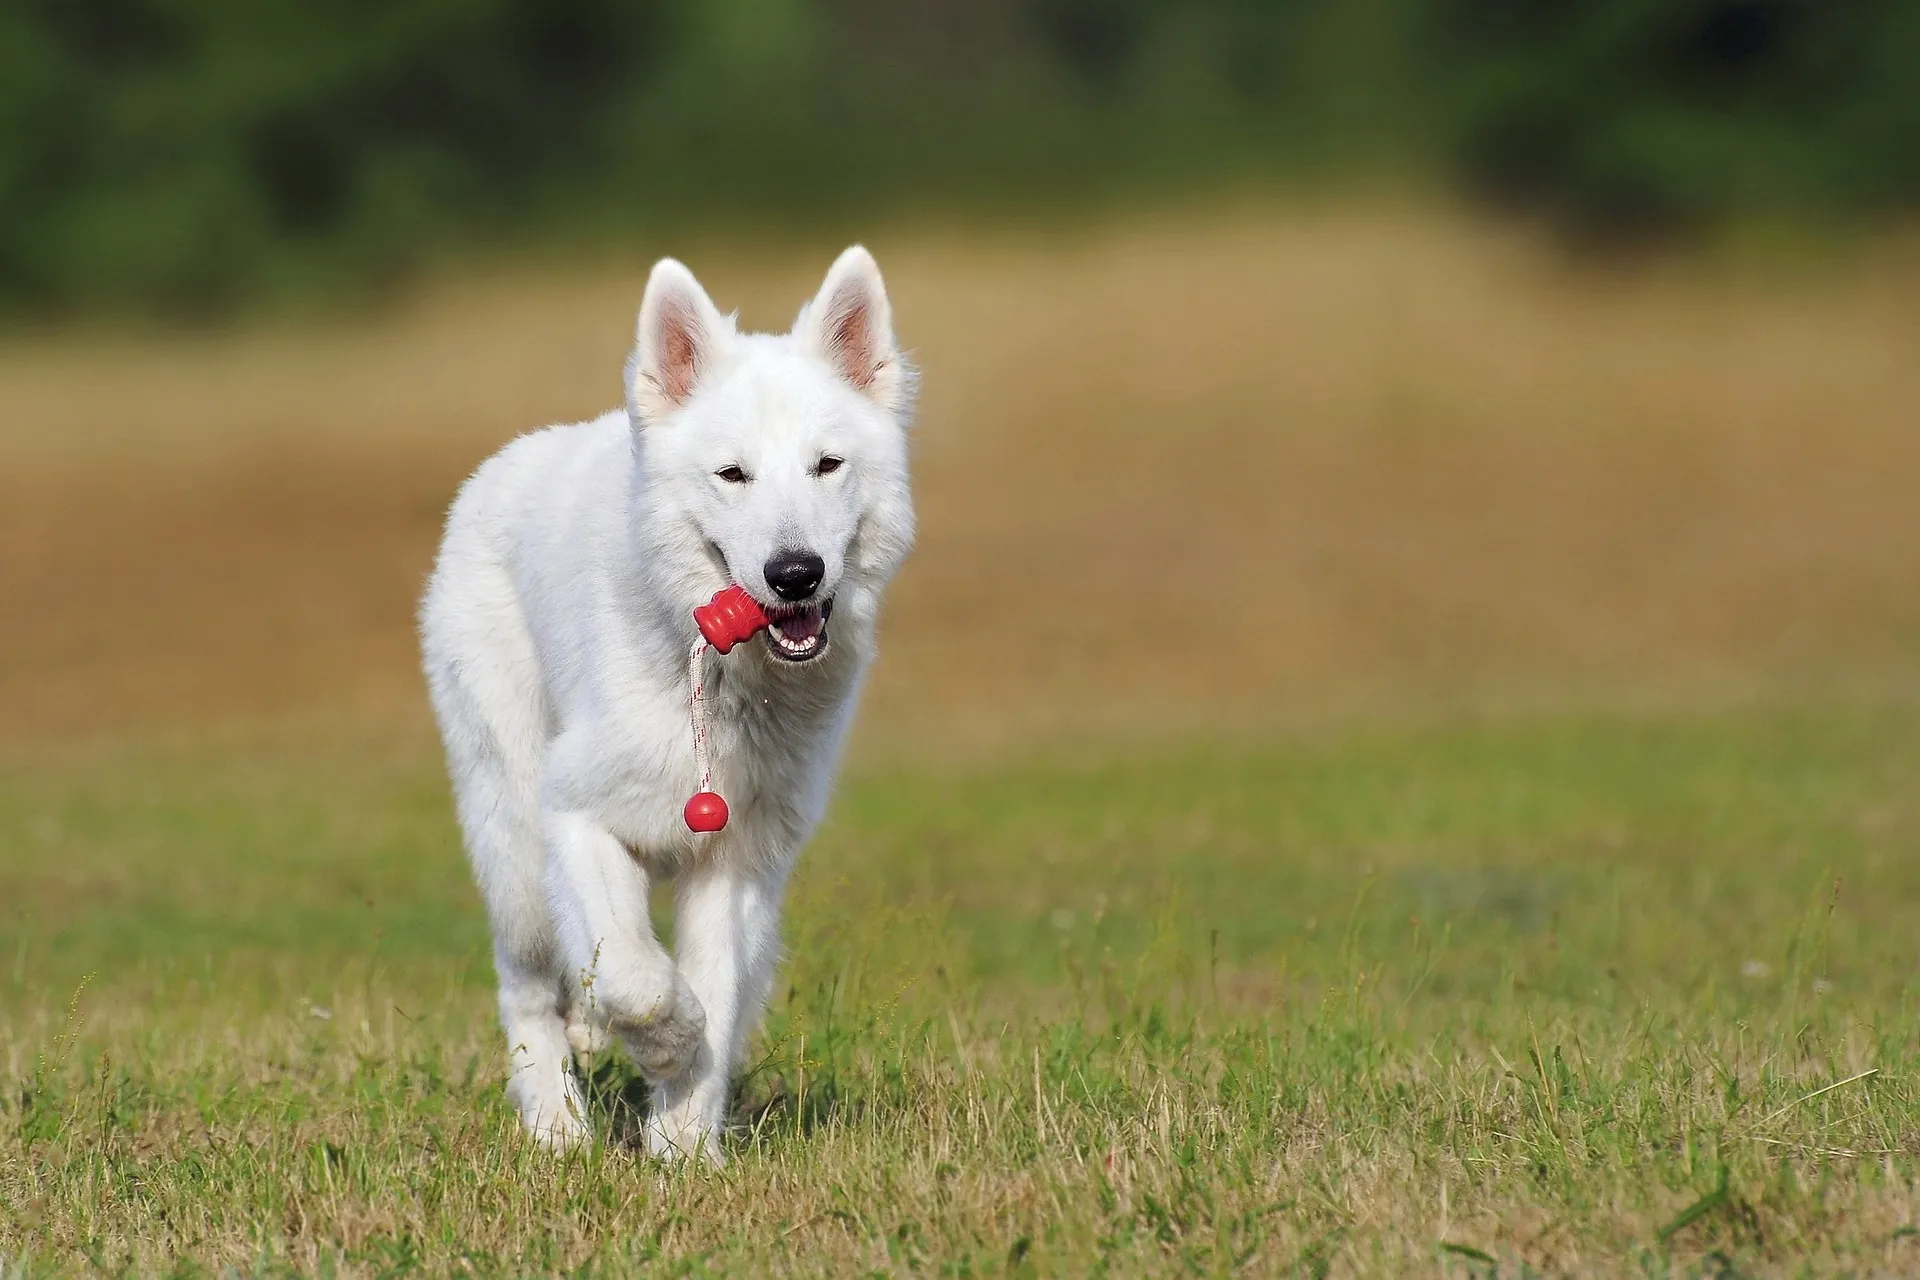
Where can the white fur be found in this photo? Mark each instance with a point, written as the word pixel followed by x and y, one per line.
pixel 555 632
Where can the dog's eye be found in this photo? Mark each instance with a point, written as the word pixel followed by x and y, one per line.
pixel 732 475
pixel 828 465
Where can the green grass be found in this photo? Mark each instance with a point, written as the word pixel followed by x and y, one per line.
pixel 1565 995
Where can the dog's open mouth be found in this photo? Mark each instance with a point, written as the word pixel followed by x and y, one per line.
pixel 798 633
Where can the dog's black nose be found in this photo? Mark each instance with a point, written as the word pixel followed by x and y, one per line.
pixel 795 575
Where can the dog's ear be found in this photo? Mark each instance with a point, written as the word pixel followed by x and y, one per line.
pixel 678 340
pixel 849 324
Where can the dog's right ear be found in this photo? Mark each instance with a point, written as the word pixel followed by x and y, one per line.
pixel 849 324
pixel 679 339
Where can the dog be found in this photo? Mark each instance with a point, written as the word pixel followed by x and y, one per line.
pixel 555 634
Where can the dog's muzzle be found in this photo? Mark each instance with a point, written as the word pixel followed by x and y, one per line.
pixel 798 633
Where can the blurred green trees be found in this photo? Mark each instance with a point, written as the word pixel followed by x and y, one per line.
pixel 1644 115
pixel 187 155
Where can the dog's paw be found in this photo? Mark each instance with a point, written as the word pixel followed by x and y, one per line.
pixel 674 1137
pixel 584 1037
pixel 664 1039
pixel 555 1118
pixel 560 1136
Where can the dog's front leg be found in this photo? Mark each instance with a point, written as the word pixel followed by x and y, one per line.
pixel 727 926
pixel 624 979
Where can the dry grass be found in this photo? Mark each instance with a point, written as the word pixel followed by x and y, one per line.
pixel 1349 456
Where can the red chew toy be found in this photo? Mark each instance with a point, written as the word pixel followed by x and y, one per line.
pixel 706 812
pixel 724 621
pixel 730 617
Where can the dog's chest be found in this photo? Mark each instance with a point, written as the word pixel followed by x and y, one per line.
pixel 772 763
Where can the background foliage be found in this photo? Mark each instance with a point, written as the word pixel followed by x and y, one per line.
pixel 187 155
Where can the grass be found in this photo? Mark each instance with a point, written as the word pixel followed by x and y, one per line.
pixel 1552 995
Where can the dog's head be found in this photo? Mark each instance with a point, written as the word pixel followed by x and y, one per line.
pixel 779 462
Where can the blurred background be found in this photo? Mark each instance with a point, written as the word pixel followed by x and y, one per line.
pixel 1284 360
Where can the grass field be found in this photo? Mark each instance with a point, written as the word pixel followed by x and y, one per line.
pixel 1518 876
pixel 1579 994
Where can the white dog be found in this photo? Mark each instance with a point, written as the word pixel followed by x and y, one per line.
pixel 556 630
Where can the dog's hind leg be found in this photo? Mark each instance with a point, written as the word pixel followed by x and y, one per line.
pixel 508 861
pixel 542 1086
pixel 479 665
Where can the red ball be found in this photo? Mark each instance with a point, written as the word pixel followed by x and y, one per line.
pixel 706 812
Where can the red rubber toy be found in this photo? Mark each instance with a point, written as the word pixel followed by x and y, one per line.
pixel 730 617
pixel 706 812
pixel 724 621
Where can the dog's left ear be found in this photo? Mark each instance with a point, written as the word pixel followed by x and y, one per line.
pixel 849 324
pixel 679 339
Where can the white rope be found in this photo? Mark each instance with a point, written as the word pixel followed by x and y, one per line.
pixel 702 761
